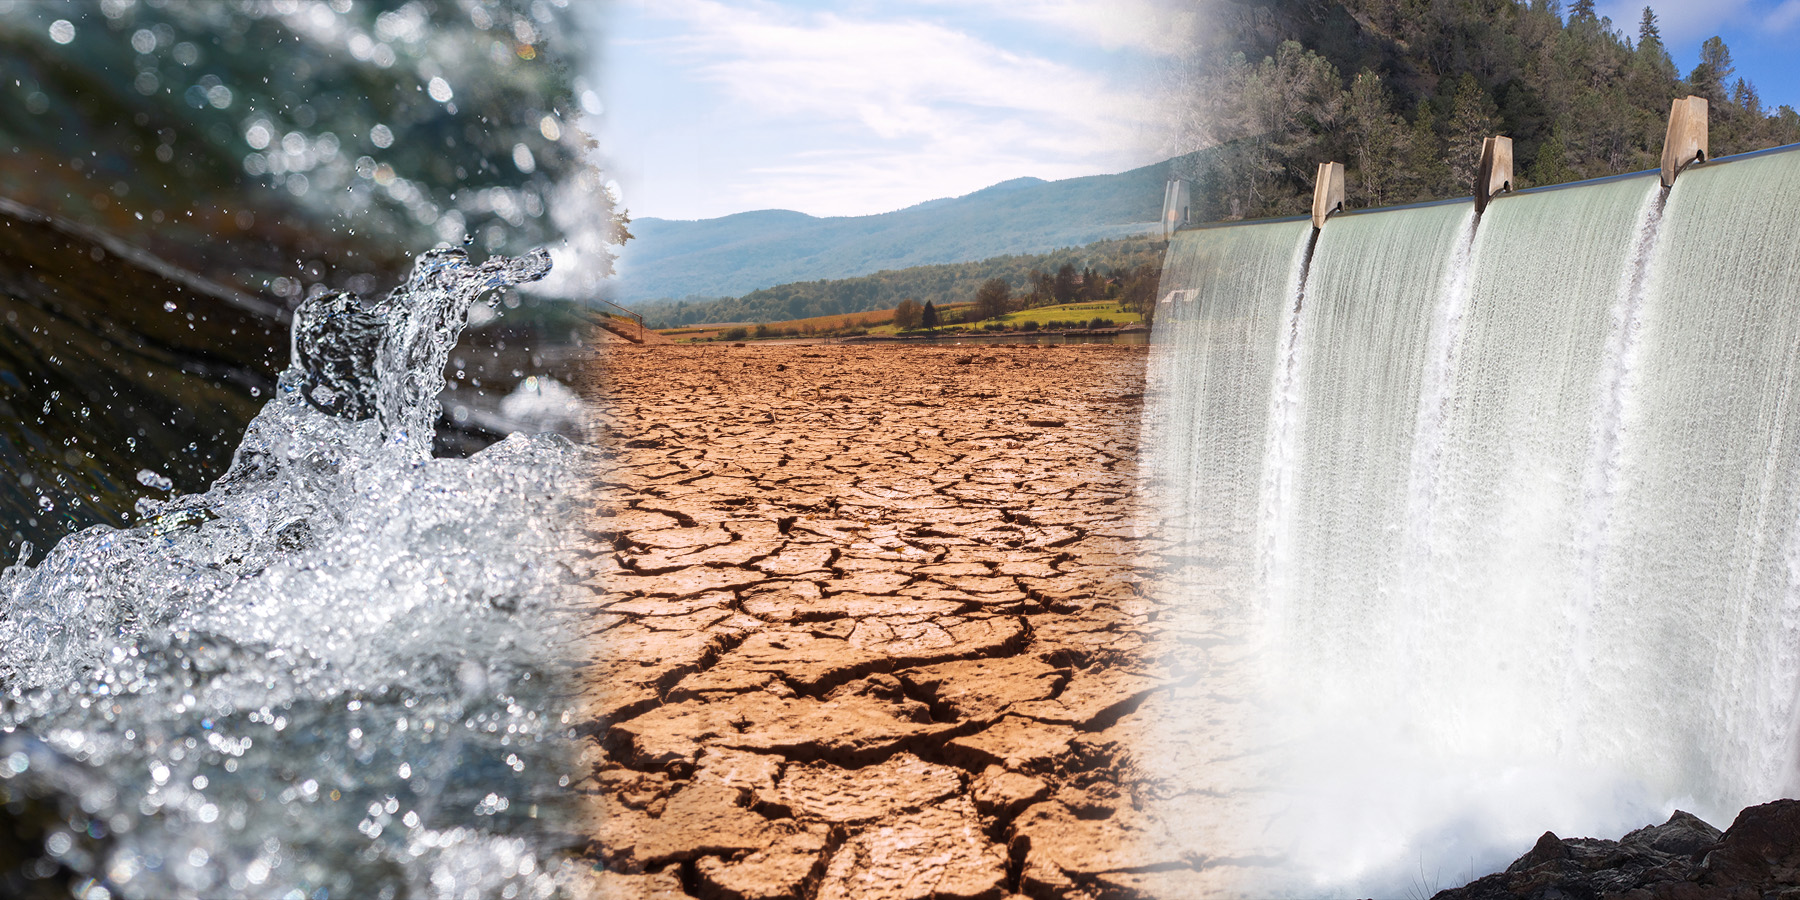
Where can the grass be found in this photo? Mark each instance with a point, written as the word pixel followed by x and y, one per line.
pixel 1069 313
pixel 881 322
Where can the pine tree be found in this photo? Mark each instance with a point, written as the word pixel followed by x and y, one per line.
pixel 1064 288
pixel 1552 164
pixel 1648 33
pixel 1744 97
pixel 1377 138
pixel 1473 118
pixel 1708 78
pixel 928 318
pixel 1582 10
pixel 1428 177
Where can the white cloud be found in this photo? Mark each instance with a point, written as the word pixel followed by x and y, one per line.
pixel 898 109
pixel 1160 27
pixel 1783 18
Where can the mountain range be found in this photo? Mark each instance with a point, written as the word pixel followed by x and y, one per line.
pixel 733 255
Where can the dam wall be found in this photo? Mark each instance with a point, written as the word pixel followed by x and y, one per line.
pixel 1502 508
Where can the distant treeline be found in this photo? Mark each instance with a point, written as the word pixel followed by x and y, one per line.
pixel 1120 262
pixel 1403 91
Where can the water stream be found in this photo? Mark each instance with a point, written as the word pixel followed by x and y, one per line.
pixel 332 674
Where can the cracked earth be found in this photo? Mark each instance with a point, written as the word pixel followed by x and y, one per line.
pixel 871 625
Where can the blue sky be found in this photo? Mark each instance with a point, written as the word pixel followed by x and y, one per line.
pixel 1763 36
pixel 721 106
pixel 857 107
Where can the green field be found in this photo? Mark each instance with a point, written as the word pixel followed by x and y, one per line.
pixel 1067 312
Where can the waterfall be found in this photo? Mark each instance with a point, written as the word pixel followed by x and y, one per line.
pixel 1508 509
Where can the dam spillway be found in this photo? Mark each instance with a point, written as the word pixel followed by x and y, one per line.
pixel 1507 506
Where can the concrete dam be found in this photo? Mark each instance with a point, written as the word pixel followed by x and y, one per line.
pixel 1489 522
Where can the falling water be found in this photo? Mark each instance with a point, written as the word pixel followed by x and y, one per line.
pixel 1530 530
pixel 330 675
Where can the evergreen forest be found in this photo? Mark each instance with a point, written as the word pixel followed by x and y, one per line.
pixel 1403 91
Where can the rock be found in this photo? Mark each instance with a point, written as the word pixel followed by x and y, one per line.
pixel 1685 834
pixel 939 853
pixel 1681 859
pixel 1760 851
pixel 833 794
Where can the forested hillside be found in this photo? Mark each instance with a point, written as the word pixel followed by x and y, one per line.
pixel 1403 91
pixel 748 251
pixel 1028 274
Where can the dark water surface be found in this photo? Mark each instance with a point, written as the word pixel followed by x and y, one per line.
pixel 109 367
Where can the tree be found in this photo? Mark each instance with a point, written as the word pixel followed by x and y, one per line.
pixel 1581 10
pixel 906 315
pixel 1138 293
pixel 1648 33
pixel 1708 78
pixel 1093 285
pixel 1652 71
pixel 1551 165
pixel 928 317
pixel 1472 119
pixel 1744 96
pixel 993 299
pixel 1427 175
pixel 1043 287
pixel 1063 289
pixel 1377 139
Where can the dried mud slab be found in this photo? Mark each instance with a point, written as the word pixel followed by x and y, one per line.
pixel 868 623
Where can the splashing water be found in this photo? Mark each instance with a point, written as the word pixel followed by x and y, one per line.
pixel 331 674
pixel 1527 549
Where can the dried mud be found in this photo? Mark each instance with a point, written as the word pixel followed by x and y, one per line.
pixel 870 624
